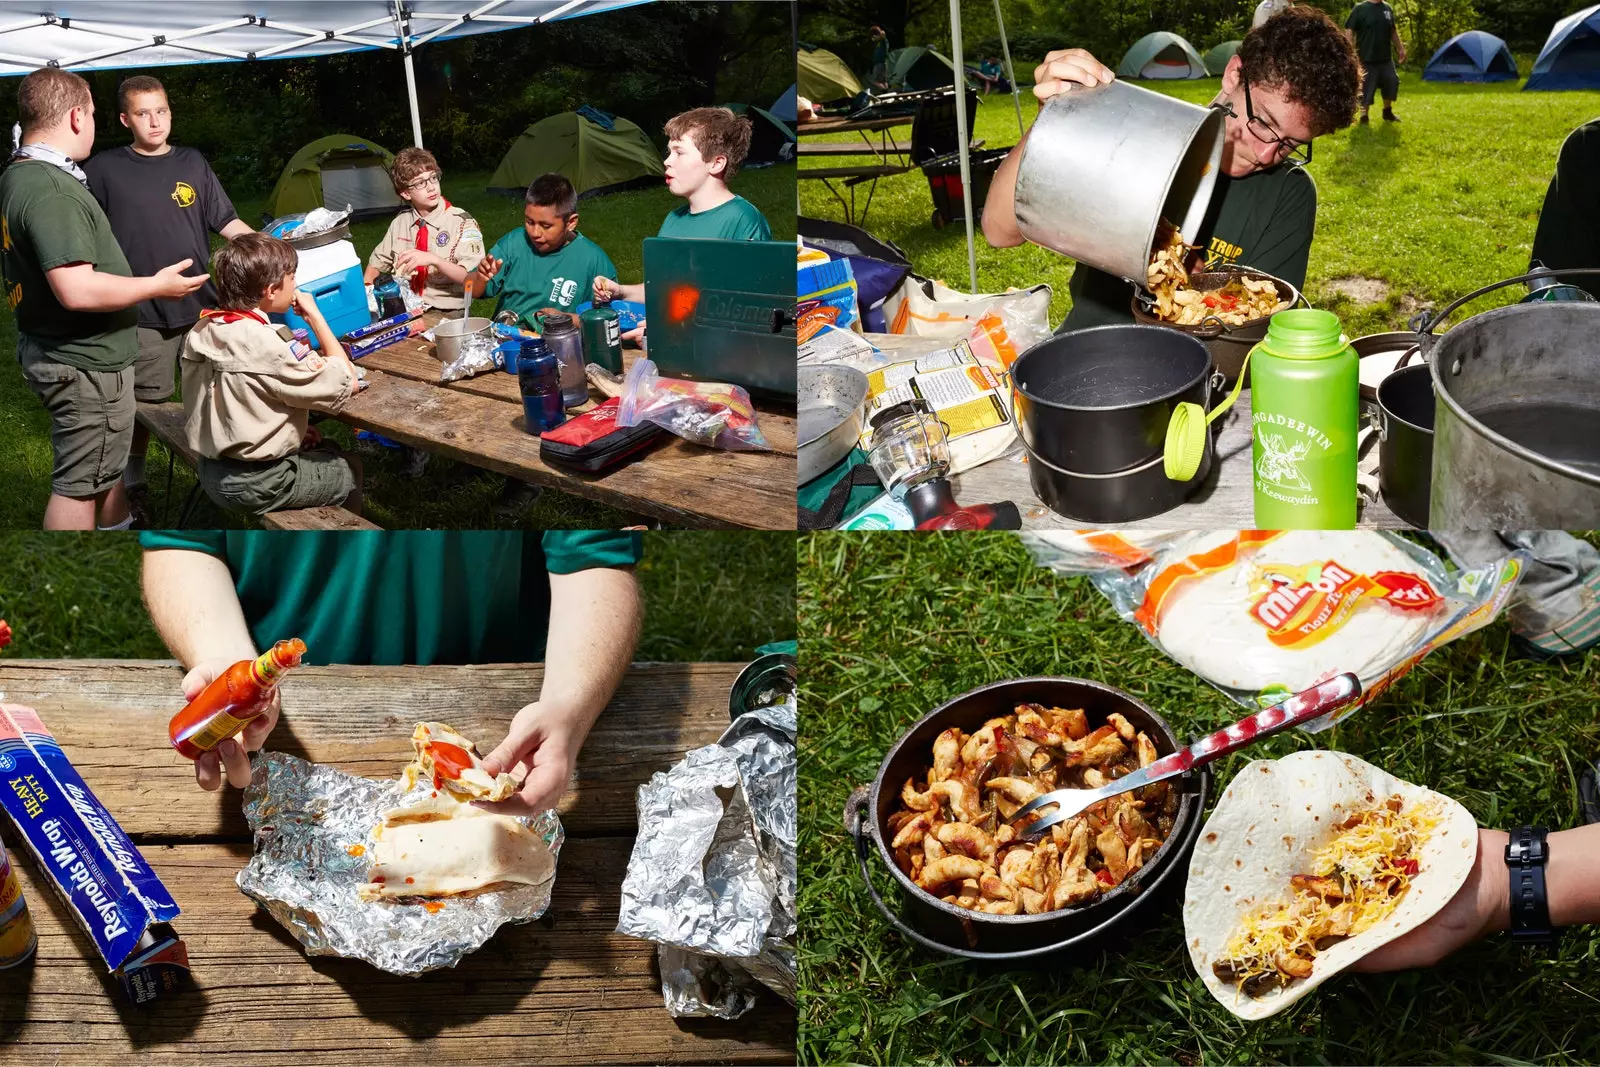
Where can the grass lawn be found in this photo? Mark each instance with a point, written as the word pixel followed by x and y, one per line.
pixel 448 494
pixel 708 596
pixel 1410 214
pixel 892 626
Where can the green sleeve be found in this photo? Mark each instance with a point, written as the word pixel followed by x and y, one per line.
pixel 759 230
pixel 1284 249
pixel 211 542
pixel 566 551
pixel 62 232
pixel 503 250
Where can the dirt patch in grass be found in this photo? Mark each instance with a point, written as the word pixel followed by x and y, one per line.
pixel 1361 290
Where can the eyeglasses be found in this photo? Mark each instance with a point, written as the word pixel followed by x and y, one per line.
pixel 424 182
pixel 1298 151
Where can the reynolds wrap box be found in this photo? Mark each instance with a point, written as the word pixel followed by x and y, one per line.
pixel 93 864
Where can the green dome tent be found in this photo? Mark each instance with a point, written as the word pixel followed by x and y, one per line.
pixel 771 139
pixel 596 160
pixel 919 68
pixel 1161 55
pixel 1218 57
pixel 823 76
pixel 335 171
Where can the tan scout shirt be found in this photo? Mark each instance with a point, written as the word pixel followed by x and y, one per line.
pixel 248 387
pixel 453 235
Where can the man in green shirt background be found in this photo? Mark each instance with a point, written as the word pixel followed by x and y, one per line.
pixel 568 598
pixel 71 289
pixel 547 265
pixel 1294 78
pixel 1371 27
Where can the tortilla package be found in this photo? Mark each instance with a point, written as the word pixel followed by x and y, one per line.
pixel 1087 551
pixel 1280 820
pixel 1262 614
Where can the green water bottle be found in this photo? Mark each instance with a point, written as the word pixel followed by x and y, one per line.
pixel 1304 406
pixel 602 337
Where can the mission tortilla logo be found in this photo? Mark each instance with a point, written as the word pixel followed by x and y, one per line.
pixel 184 194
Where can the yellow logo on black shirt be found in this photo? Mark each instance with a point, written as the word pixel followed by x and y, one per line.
pixel 183 193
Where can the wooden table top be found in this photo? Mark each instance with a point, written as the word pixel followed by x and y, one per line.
pixel 818 127
pixel 480 421
pixel 565 988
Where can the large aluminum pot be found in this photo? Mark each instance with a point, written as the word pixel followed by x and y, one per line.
pixel 448 334
pixel 1103 166
pixel 1518 402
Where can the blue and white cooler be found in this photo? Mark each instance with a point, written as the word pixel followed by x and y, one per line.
pixel 330 271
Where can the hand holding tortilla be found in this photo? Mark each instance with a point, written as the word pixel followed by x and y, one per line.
pixel 452 762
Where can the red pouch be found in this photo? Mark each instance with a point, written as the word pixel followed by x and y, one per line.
pixel 593 441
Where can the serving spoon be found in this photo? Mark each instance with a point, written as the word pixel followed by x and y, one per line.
pixel 1302 707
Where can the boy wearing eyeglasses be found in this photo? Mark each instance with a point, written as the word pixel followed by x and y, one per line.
pixel 1294 78
pixel 435 245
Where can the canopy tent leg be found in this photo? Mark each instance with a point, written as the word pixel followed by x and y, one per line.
pixel 402 29
pixel 963 139
pixel 1011 72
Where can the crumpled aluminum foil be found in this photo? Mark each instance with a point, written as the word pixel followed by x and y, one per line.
pixel 712 877
pixel 308 820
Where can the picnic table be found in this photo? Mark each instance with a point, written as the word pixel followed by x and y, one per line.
pixel 479 421
pixel 565 988
pixel 892 157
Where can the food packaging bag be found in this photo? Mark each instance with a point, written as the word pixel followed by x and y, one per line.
pixel 972 400
pixel 946 312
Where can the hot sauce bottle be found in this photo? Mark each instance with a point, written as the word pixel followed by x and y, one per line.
pixel 239 695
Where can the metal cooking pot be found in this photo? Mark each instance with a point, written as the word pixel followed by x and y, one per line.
pixel 1228 345
pixel 1515 441
pixel 931 922
pixel 832 401
pixel 1404 419
pixel 1103 166
pixel 1109 499
pixel 448 334
pixel 1098 401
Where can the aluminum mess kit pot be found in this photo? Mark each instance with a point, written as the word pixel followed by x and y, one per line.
pixel 1092 409
pixel 1516 444
pixel 1228 345
pixel 1016 939
pixel 1104 165
pixel 832 402
pixel 448 335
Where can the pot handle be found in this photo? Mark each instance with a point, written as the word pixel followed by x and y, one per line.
pixel 1209 328
pixel 1425 321
pixel 1188 426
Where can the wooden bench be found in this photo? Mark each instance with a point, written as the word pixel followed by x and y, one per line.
pixel 165 423
pixel 846 148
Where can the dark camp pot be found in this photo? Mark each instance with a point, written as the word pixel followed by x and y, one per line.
pixel 1405 435
pixel 1097 401
pixel 1228 345
pixel 1017 939
pixel 1108 499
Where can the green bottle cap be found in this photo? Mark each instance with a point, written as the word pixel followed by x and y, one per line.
pixel 1304 333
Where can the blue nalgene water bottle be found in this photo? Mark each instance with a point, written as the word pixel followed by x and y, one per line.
pixel 539 376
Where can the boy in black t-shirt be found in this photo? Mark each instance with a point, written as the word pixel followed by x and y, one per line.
pixel 164 203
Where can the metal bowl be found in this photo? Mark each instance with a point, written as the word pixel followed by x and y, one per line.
pixel 831 403
pixel 1013 938
pixel 1381 354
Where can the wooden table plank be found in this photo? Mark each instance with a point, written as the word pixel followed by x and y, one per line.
pixel 846 148
pixel 323 518
pixel 821 127
pixel 564 989
pixel 111 719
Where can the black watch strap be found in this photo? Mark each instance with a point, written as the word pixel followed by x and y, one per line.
pixel 1526 855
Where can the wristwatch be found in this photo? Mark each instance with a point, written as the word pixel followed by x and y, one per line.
pixel 1526 855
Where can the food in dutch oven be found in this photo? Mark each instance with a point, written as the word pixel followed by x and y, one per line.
pixel 951 834
pixel 1243 299
pixel 1307 864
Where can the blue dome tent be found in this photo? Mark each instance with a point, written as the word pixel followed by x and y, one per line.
pixel 1570 58
pixel 1473 56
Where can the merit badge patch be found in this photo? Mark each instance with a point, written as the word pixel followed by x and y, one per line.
pixel 184 194
pixel 443 239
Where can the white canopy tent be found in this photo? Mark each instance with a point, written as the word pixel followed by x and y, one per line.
pixel 110 34
pixel 963 137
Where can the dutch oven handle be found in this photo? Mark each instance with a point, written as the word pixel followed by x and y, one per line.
pixel 1423 322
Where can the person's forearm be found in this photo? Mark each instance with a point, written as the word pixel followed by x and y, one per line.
pixel 326 338
pixel 236 228
pixel 93 290
pixel 591 645
pixel 370 275
pixel 633 294
pixel 191 600
pixel 454 271
pixel 1000 227
pixel 1572 876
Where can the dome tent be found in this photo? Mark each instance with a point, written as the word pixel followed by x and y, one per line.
pixel 1473 56
pixel 335 171
pixel 1570 58
pixel 1161 55
pixel 771 139
pixel 594 158
pixel 786 107
pixel 1216 59
pixel 823 76
pixel 919 68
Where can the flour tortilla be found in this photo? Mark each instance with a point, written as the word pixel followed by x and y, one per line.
pixel 474 783
pixel 1266 827
pixel 1206 624
pixel 441 857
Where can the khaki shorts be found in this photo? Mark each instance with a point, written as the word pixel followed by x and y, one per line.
pixel 314 479
pixel 91 420
pixel 154 370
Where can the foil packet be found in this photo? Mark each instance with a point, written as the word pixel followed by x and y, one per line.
pixel 712 876
pixel 312 827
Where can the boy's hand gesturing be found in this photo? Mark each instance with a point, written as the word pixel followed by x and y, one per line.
pixel 605 289
pixel 488 267
pixel 232 756
pixel 305 304
pixel 411 260
pixel 175 284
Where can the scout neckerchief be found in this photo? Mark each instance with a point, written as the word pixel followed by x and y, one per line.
pixel 226 315
pixel 54 156
pixel 419 278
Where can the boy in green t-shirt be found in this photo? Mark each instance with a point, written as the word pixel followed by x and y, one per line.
pixel 704 149
pixel 547 265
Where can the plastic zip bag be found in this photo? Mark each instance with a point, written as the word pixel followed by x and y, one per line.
pixel 1087 551
pixel 708 413
pixel 1261 614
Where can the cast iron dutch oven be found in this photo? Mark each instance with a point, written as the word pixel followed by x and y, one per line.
pixel 1228 345
pixel 1016 939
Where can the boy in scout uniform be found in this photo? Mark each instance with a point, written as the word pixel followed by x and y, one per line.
pixel 249 386
pixel 435 245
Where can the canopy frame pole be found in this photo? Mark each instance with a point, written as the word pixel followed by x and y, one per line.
pixel 964 139
pixel 402 25
pixel 1011 72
